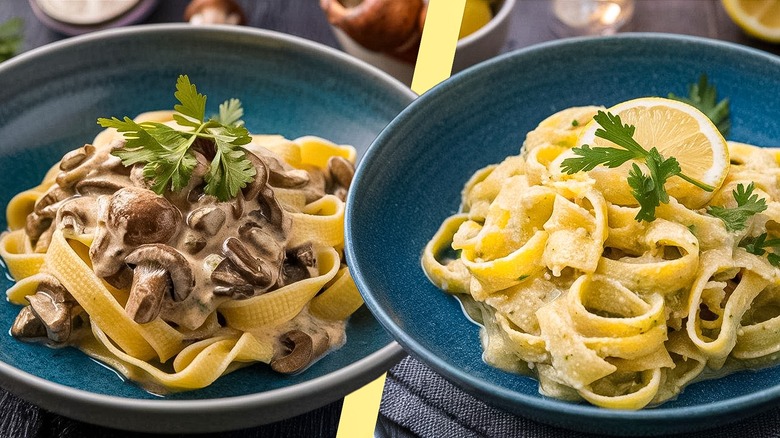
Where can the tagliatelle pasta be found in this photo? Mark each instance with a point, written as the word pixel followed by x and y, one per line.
pixel 260 278
pixel 569 286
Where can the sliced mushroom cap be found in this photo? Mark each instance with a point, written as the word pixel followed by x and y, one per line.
pixel 298 351
pixel 300 263
pixel 252 190
pixel 77 215
pixel 28 327
pixel 53 306
pixel 79 163
pixel 257 272
pixel 102 184
pixel 208 220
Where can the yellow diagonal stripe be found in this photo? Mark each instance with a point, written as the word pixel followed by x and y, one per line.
pixel 360 410
pixel 434 64
pixel 437 48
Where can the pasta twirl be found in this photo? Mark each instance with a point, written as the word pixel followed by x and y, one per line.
pixel 601 307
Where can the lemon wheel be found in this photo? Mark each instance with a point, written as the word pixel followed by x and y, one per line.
pixel 677 130
pixel 759 18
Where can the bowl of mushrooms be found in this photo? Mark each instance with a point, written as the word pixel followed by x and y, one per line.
pixel 387 33
pixel 185 266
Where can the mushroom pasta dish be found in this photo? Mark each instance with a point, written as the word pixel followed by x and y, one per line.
pixel 176 248
pixel 623 254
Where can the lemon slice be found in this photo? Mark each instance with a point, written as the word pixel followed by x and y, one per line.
pixel 677 130
pixel 476 15
pixel 759 18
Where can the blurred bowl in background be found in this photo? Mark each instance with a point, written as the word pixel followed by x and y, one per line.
pixel 472 49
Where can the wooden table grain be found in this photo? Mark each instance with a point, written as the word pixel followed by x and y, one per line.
pixel 531 24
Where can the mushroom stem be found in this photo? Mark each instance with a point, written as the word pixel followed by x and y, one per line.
pixel 150 285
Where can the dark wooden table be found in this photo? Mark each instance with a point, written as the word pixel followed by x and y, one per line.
pixel 530 25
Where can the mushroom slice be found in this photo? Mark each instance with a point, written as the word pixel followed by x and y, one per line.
pixel 256 271
pixel 208 220
pixel 300 264
pixel 231 282
pixel 52 305
pixel 28 327
pixel 299 350
pixel 158 271
pixel 261 177
pixel 72 159
pixel 77 215
pixel 102 184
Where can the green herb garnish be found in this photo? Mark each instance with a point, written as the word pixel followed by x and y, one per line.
pixel 168 153
pixel 758 245
pixel 748 204
pixel 648 190
pixel 10 38
pixel 704 97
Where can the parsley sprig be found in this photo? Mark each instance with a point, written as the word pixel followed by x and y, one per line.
pixel 758 245
pixel 748 204
pixel 704 97
pixel 168 154
pixel 648 189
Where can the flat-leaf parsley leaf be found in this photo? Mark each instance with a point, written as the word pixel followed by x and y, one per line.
pixel 168 153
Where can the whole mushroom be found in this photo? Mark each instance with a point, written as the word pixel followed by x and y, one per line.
pixel 159 271
pixel 131 217
pixel 379 25
pixel 214 12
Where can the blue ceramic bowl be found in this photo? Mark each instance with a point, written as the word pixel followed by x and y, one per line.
pixel 411 179
pixel 51 98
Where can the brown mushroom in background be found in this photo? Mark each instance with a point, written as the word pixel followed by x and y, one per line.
pixel 214 12
pixel 299 350
pixel 130 217
pixel 389 26
pixel 52 315
pixel 159 271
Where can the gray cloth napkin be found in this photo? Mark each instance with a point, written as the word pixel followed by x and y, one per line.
pixel 417 402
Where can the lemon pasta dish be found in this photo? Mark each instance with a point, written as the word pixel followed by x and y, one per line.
pixel 176 248
pixel 621 255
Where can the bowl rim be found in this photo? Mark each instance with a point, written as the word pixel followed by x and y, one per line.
pixel 370 366
pixel 487 390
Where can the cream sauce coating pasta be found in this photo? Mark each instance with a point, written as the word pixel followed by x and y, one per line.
pixel 260 278
pixel 567 285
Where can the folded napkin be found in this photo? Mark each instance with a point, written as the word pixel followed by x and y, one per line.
pixel 419 402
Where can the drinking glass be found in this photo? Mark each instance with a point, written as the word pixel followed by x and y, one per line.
pixel 590 17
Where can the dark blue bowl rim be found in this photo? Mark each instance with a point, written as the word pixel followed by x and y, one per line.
pixel 371 365
pixel 426 104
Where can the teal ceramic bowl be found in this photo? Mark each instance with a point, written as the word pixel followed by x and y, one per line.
pixel 51 98
pixel 411 179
